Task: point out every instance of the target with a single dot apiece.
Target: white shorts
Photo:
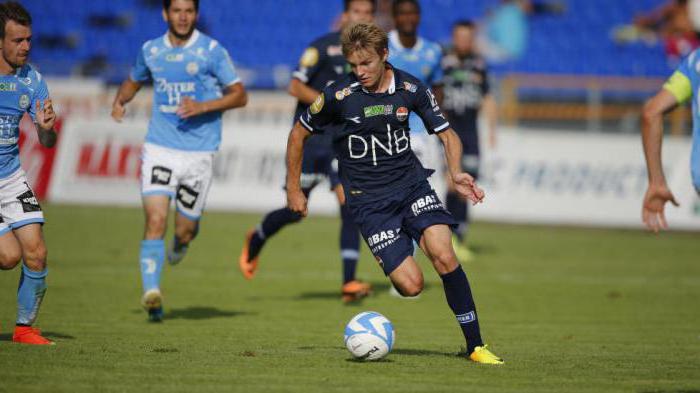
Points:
(18, 205)
(183, 175)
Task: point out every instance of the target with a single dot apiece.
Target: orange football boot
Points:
(30, 335)
(248, 268)
(355, 290)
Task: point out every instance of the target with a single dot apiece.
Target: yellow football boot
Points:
(484, 356)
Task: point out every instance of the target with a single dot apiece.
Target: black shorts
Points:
(390, 225)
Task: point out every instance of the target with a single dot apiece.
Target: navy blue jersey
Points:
(370, 132)
(465, 86)
(321, 64)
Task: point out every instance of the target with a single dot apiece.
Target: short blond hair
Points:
(363, 36)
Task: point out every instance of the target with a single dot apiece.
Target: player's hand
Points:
(45, 117)
(653, 207)
(296, 202)
(466, 187)
(190, 108)
(118, 111)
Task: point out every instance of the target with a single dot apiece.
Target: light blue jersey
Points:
(200, 69)
(683, 84)
(18, 94)
(422, 61)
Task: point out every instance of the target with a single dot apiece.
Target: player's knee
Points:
(445, 261)
(155, 225)
(9, 259)
(411, 287)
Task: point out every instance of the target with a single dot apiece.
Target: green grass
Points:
(571, 310)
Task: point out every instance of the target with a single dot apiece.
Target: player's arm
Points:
(296, 200)
(464, 183)
(658, 193)
(127, 91)
(310, 64)
(43, 115)
(302, 92)
(45, 122)
(235, 96)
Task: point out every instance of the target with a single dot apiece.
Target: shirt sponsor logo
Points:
(378, 110)
(395, 142)
(174, 89)
(175, 57)
(402, 113)
(8, 86)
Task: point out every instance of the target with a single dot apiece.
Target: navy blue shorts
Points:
(317, 165)
(390, 225)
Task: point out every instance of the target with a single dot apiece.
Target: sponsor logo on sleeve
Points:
(309, 58)
(318, 104)
(24, 101)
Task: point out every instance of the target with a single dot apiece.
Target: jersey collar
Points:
(396, 82)
(190, 42)
(396, 42)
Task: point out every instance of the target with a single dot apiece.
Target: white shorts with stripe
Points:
(183, 175)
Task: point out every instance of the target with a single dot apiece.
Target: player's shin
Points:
(151, 261)
(459, 297)
(32, 286)
(349, 244)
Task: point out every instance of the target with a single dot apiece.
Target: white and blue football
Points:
(369, 336)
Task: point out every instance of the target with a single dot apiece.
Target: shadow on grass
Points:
(378, 289)
(48, 334)
(425, 352)
(199, 313)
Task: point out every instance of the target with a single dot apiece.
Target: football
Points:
(369, 336)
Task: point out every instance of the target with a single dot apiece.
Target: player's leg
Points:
(274, 221)
(157, 189)
(352, 289)
(152, 255)
(437, 245)
(457, 205)
(32, 283)
(190, 199)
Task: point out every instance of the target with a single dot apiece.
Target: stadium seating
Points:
(265, 36)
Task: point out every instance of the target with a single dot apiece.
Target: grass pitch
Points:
(570, 310)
